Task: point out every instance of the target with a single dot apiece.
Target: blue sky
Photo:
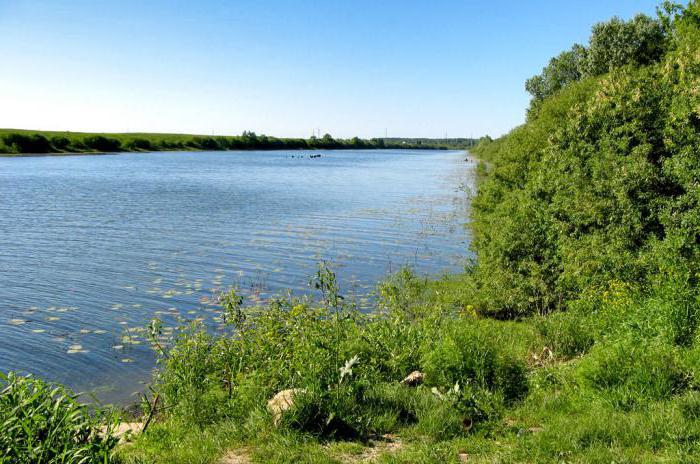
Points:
(284, 68)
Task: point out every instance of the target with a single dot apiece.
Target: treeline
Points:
(19, 142)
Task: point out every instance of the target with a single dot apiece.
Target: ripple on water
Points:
(102, 244)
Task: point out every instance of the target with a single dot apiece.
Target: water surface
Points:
(95, 246)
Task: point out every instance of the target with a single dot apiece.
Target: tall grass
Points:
(41, 423)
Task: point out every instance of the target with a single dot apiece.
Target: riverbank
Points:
(17, 142)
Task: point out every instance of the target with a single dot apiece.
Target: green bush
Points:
(59, 142)
(21, 143)
(42, 423)
(139, 144)
(597, 186)
(101, 143)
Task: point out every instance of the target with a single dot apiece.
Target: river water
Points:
(93, 247)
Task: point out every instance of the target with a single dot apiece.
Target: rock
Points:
(413, 379)
(124, 431)
(282, 402)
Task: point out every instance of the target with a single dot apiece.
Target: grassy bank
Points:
(18, 142)
(572, 338)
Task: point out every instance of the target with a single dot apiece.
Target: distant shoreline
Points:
(21, 143)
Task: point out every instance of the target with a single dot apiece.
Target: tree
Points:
(59, 142)
(20, 143)
(613, 44)
(101, 143)
(561, 71)
(616, 43)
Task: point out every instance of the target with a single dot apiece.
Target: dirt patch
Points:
(386, 444)
(236, 457)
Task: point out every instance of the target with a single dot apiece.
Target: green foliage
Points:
(140, 144)
(101, 143)
(560, 72)
(21, 143)
(613, 44)
(44, 424)
(596, 187)
(346, 365)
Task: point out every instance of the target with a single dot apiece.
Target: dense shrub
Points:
(101, 143)
(139, 144)
(43, 423)
(59, 142)
(597, 186)
(616, 43)
(20, 143)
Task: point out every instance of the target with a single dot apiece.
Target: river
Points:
(93, 247)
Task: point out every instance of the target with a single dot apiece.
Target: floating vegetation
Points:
(76, 348)
(17, 321)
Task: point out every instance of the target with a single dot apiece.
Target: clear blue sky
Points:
(284, 68)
